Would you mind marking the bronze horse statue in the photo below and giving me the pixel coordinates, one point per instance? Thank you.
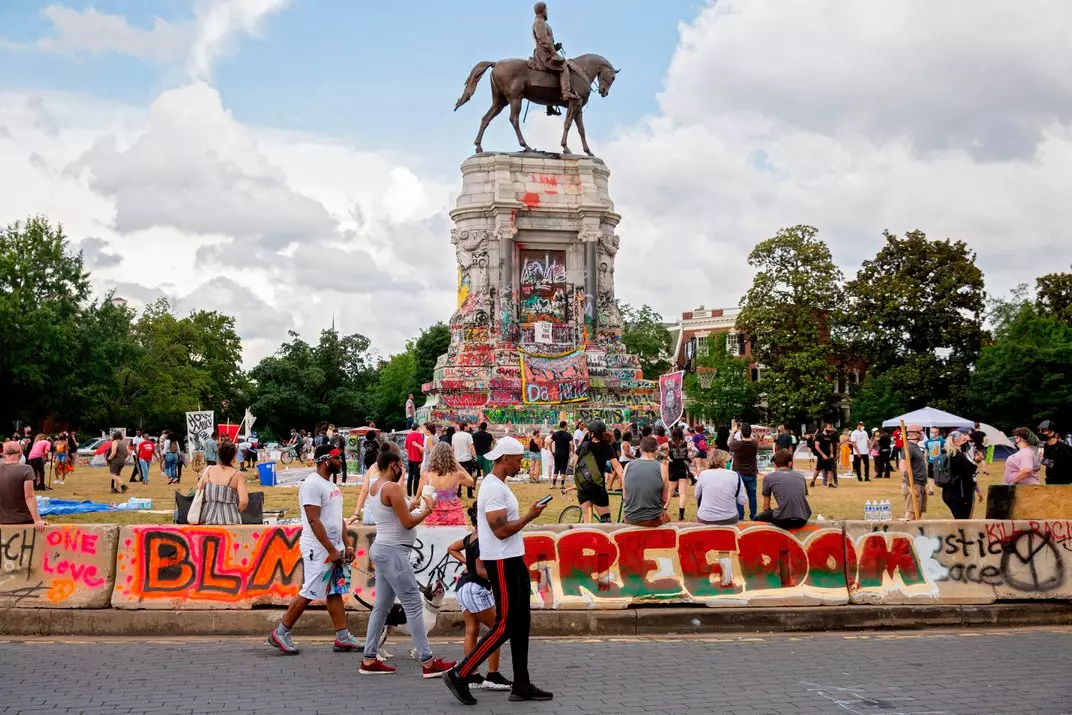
(513, 80)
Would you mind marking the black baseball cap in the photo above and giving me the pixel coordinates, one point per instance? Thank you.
(1047, 425)
(597, 427)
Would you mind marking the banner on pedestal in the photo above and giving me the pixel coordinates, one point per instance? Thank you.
(554, 379)
(671, 406)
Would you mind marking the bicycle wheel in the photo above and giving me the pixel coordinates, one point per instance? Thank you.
(286, 457)
(570, 515)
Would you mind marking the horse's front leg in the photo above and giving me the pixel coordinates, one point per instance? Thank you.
(580, 130)
(566, 127)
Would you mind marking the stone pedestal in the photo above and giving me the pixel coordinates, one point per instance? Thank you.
(536, 247)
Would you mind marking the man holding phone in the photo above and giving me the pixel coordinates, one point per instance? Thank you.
(502, 549)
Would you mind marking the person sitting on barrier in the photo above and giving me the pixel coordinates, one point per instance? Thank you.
(720, 492)
(790, 489)
(18, 505)
(646, 487)
(225, 495)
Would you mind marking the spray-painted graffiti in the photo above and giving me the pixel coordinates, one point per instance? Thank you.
(554, 379)
(475, 335)
(464, 399)
(522, 416)
(65, 566)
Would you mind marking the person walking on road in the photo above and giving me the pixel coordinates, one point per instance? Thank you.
(502, 549)
(326, 555)
(390, 556)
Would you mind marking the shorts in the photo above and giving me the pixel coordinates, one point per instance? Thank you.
(677, 476)
(484, 464)
(61, 458)
(469, 466)
(595, 493)
(532, 456)
(826, 465)
(474, 598)
(561, 464)
(316, 586)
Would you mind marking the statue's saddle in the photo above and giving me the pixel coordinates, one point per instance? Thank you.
(544, 79)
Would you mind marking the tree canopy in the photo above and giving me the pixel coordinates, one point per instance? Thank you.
(789, 314)
(645, 336)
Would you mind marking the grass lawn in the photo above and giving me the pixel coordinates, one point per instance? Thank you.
(846, 502)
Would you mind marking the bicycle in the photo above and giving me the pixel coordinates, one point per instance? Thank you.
(573, 513)
(288, 455)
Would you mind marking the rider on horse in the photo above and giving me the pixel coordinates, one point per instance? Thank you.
(546, 56)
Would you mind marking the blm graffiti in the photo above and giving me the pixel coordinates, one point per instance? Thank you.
(554, 379)
(199, 429)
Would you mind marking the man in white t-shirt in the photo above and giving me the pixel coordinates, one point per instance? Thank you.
(578, 435)
(411, 412)
(465, 452)
(861, 452)
(502, 549)
(326, 555)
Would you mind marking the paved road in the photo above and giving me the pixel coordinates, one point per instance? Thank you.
(1007, 672)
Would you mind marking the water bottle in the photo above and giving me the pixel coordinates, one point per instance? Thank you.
(884, 510)
(869, 511)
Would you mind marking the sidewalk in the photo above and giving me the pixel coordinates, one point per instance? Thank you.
(639, 621)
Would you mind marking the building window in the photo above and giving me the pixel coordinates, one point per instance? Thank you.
(735, 344)
(701, 346)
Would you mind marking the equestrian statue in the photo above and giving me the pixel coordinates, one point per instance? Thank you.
(547, 79)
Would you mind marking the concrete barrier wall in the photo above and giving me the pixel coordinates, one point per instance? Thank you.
(598, 567)
(64, 566)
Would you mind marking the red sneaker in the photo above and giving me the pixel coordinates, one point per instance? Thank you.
(378, 667)
(436, 667)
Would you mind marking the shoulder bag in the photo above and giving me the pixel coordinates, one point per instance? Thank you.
(194, 515)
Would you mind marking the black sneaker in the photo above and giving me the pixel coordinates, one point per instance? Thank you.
(496, 681)
(530, 693)
(458, 687)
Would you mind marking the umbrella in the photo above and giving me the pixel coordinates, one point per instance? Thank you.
(103, 448)
(995, 437)
(929, 417)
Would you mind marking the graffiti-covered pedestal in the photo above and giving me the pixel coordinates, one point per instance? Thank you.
(536, 336)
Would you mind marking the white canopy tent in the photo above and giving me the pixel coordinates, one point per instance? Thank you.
(929, 417)
(995, 437)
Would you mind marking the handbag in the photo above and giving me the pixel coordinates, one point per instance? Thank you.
(193, 516)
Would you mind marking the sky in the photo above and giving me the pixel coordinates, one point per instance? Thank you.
(294, 162)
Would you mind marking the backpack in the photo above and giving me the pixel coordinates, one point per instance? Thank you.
(587, 471)
(943, 475)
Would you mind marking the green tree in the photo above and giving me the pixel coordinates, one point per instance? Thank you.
(789, 314)
(1054, 295)
(731, 395)
(916, 313)
(645, 336)
(302, 385)
(1025, 375)
(432, 343)
(879, 398)
(43, 286)
(397, 379)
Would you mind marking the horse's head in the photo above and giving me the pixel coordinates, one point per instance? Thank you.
(606, 76)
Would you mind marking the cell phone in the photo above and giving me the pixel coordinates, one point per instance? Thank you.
(545, 501)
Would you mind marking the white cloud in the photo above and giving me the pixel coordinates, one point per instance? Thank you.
(200, 171)
(219, 22)
(952, 119)
(282, 230)
(92, 32)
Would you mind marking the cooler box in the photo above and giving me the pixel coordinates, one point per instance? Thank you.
(267, 473)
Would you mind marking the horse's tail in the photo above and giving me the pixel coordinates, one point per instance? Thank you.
(472, 82)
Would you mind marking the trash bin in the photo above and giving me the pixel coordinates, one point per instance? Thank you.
(267, 473)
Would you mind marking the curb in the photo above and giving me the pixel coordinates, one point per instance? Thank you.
(640, 621)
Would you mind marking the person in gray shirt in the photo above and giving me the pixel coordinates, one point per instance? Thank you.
(790, 489)
(646, 487)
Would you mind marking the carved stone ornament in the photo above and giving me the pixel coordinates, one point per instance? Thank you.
(588, 234)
